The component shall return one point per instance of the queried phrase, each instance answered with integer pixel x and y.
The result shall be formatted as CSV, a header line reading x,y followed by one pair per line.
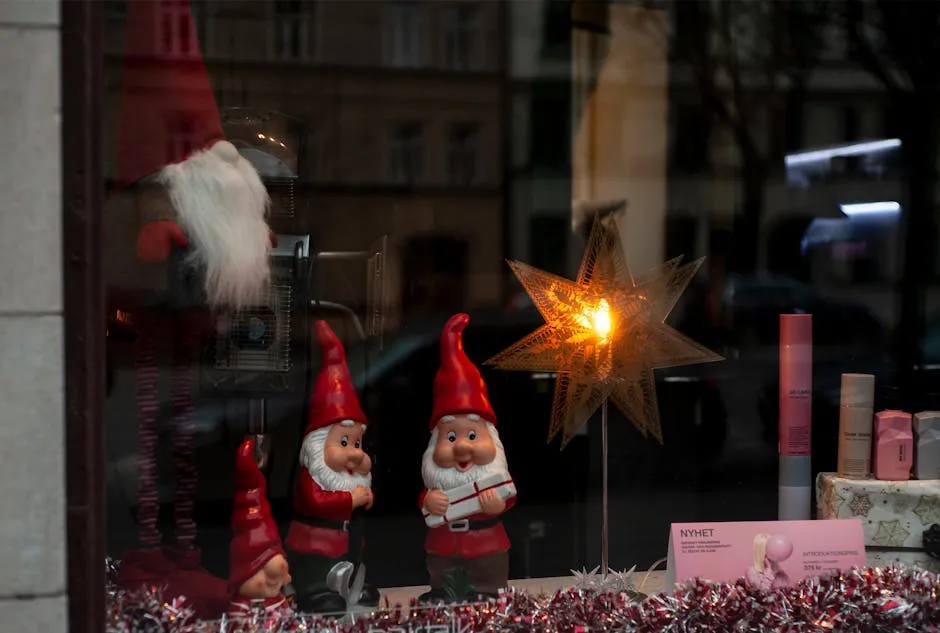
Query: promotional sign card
x,y
768,554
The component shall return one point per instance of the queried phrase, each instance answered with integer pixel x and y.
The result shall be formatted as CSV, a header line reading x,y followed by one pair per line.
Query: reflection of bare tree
x,y
897,43
748,60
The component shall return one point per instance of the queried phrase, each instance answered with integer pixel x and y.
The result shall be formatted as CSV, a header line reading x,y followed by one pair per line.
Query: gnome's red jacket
x,y
473,544
313,502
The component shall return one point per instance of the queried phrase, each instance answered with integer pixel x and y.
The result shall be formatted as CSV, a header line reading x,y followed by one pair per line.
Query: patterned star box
x,y
894,514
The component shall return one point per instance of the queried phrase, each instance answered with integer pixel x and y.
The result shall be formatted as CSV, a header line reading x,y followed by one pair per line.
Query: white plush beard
x,y
437,478
221,208
311,456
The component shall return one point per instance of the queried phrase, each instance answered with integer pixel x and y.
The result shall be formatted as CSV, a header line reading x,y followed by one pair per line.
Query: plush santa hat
x,y
168,109
458,387
255,540
334,398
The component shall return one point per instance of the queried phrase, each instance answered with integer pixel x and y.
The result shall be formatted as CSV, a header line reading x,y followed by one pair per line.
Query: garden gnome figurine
x,y
464,448
190,189
257,562
334,487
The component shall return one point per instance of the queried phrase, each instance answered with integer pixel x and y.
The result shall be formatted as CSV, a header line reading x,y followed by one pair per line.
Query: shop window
x,y
463,154
463,39
404,32
406,153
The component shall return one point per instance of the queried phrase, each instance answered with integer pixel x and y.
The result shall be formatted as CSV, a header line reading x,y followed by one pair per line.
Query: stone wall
x,y
32,450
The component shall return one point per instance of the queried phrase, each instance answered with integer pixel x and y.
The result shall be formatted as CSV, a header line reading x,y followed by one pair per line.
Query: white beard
x,y
311,456
437,478
221,208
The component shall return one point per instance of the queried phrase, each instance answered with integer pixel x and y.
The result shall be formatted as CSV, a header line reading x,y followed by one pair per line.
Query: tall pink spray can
x,y
795,486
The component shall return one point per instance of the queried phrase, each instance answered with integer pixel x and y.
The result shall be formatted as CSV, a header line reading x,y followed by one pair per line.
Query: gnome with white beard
x,y
464,448
191,190
333,490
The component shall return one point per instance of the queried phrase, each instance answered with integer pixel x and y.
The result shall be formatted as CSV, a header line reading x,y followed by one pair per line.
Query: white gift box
x,y
465,500
894,514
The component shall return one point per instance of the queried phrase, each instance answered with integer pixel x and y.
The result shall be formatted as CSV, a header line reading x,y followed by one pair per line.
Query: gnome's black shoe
x,y
326,602
433,597
370,596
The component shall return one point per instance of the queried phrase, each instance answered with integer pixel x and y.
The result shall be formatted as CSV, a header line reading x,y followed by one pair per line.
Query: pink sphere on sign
x,y
779,548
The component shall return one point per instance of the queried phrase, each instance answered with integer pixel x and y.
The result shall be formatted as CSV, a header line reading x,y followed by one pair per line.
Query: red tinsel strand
x,y
874,600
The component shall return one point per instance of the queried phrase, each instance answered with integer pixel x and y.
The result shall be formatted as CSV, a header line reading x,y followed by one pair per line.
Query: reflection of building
x,y
398,125
840,103
539,46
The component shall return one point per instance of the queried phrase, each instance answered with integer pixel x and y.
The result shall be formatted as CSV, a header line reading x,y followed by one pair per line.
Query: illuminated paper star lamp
x,y
604,334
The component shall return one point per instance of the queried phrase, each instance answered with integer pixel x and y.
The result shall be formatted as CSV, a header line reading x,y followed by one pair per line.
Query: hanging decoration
x,y
604,334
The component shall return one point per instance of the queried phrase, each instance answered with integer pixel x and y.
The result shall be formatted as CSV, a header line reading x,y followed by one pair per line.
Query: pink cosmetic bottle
x,y
894,445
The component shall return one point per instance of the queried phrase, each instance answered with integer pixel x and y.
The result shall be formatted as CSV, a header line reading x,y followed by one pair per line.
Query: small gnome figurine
x,y
258,564
334,487
464,447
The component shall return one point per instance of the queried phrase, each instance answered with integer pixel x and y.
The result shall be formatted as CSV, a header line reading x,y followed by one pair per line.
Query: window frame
x,y
464,140
463,39
306,36
396,28
406,152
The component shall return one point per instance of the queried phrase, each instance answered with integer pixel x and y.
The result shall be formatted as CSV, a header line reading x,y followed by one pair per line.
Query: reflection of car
x,y
753,305
827,387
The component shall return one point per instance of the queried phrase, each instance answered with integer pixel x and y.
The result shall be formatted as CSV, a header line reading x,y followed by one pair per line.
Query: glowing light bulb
x,y
597,319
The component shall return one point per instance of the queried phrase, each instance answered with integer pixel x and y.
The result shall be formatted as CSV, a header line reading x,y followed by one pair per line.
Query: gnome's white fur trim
x,y
221,205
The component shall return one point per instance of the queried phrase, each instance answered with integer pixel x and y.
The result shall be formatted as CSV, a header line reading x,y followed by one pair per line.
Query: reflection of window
x,y
556,30
180,137
406,153
312,158
175,29
551,141
462,40
548,242
403,33
691,143
462,154
521,108
294,27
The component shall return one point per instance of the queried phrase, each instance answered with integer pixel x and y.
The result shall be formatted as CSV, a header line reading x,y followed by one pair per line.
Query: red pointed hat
x,y
458,386
168,109
255,538
334,397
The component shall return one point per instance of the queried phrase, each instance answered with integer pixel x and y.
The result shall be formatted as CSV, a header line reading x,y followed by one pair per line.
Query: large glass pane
x,y
303,195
